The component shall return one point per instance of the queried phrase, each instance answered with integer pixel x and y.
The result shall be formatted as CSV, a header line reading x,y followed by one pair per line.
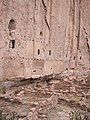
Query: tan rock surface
x,y
41,37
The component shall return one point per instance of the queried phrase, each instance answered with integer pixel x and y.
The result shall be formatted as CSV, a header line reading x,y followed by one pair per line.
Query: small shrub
x,y
9,116
76,115
3,90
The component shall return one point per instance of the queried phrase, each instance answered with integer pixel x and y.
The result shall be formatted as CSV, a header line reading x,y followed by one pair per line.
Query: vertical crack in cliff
x,y
50,33
79,23
34,19
88,47
45,8
87,42
44,4
27,17
79,28
72,15
34,14
35,3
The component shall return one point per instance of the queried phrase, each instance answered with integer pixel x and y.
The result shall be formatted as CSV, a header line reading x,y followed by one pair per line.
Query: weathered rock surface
x,y
44,57
42,37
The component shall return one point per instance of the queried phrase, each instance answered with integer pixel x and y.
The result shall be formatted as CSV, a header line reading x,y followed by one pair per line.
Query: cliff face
x,y
41,37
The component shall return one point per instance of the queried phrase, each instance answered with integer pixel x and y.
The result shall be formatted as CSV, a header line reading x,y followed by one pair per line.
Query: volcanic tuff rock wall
x,y
41,37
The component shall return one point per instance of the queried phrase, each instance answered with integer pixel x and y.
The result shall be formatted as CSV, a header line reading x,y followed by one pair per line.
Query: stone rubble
x,y
42,97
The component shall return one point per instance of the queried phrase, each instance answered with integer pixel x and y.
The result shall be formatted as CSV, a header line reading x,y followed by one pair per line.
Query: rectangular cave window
x,y
49,52
38,51
12,44
74,58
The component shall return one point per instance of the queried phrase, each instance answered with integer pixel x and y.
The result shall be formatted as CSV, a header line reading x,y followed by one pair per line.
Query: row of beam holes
x,y
39,52
74,57
13,42
36,71
15,58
